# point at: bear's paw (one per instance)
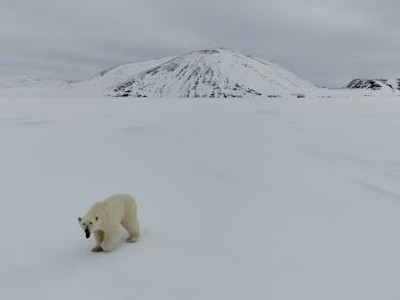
(97, 249)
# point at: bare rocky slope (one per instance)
(375, 84)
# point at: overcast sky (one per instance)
(328, 42)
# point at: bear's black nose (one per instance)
(87, 232)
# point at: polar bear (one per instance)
(107, 219)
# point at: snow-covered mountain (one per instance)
(375, 84)
(214, 73)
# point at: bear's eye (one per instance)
(83, 224)
(91, 223)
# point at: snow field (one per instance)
(237, 199)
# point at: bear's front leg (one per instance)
(111, 240)
(109, 244)
(99, 236)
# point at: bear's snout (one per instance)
(87, 232)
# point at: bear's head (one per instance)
(89, 224)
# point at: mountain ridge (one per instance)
(374, 84)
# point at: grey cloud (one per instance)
(327, 42)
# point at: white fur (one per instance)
(106, 220)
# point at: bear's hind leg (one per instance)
(133, 229)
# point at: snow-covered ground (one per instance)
(239, 199)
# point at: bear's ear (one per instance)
(97, 218)
(79, 219)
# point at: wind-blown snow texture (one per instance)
(238, 200)
(214, 73)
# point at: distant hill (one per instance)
(212, 73)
